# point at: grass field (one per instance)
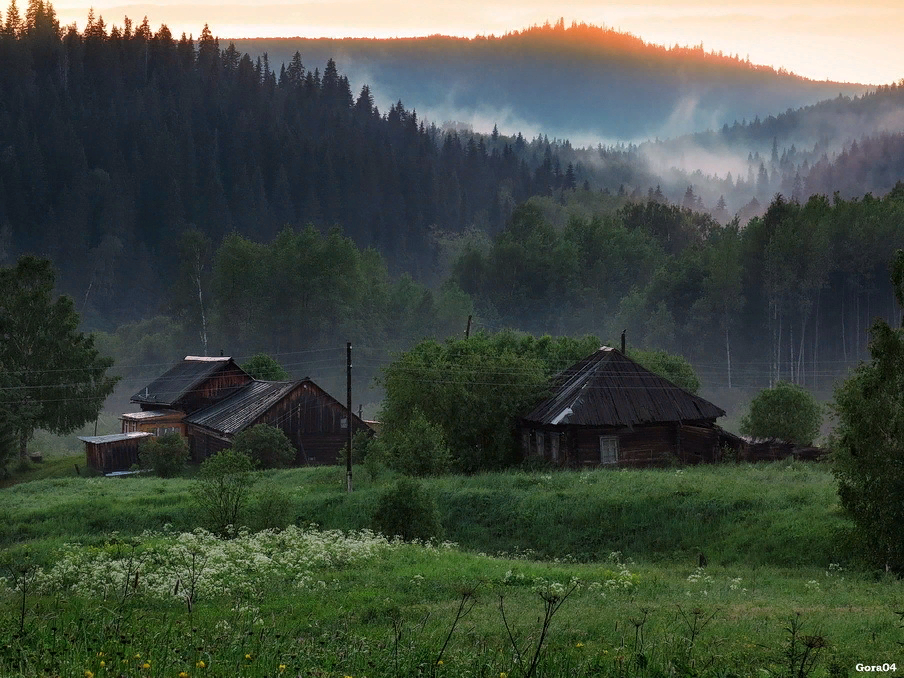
(782, 594)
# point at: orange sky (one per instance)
(848, 40)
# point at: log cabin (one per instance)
(609, 411)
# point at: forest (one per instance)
(616, 85)
(194, 199)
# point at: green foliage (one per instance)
(415, 447)
(786, 412)
(223, 489)
(473, 390)
(267, 445)
(407, 510)
(781, 515)
(271, 508)
(262, 366)
(165, 454)
(675, 368)
(868, 444)
(55, 378)
(7, 443)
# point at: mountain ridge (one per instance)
(583, 82)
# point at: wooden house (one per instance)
(211, 400)
(117, 452)
(607, 410)
(194, 383)
(314, 421)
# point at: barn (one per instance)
(314, 421)
(607, 410)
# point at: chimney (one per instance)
(623, 340)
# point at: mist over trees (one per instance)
(789, 296)
(195, 201)
(616, 85)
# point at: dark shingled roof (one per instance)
(609, 389)
(234, 413)
(168, 388)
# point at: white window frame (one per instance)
(609, 443)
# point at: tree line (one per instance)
(115, 140)
(789, 296)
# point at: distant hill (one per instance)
(583, 82)
(827, 123)
(847, 144)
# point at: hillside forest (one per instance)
(194, 199)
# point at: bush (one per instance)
(407, 510)
(267, 445)
(418, 448)
(165, 455)
(786, 412)
(222, 490)
(271, 509)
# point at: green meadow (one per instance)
(539, 574)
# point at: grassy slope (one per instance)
(769, 531)
(772, 514)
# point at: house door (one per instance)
(608, 449)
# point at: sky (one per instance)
(842, 40)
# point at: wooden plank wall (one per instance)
(644, 446)
(313, 421)
(698, 444)
(214, 388)
(202, 445)
(109, 457)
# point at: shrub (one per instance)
(165, 455)
(786, 412)
(271, 509)
(407, 510)
(222, 490)
(267, 445)
(418, 448)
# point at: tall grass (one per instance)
(783, 515)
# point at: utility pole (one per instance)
(348, 417)
(468, 328)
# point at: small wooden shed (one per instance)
(314, 421)
(117, 452)
(608, 410)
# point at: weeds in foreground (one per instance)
(553, 597)
(304, 602)
(802, 652)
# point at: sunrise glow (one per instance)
(841, 40)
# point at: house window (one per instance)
(608, 449)
(541, 444)
(554, 444)
(343, 422)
